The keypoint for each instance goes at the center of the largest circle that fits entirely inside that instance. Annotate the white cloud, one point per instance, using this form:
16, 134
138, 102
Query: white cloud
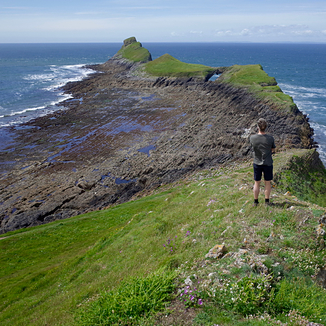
174, 34
196, 32
270, 30
90, 23
245, 32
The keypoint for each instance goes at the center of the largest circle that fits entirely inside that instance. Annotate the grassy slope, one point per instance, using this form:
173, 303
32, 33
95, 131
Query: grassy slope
166, 65
254, 78
135, 52
304, 176
47, 271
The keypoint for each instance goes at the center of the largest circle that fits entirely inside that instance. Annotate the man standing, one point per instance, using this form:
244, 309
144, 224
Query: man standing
263, 146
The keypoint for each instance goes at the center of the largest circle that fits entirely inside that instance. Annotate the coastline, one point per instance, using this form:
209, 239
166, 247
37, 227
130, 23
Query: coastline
120, 135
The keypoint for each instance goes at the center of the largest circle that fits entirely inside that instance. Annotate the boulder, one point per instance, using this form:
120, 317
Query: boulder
218, 251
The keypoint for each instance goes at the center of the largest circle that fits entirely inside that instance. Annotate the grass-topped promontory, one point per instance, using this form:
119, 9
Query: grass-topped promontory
259, 83
168, 66
134, 51
121, 266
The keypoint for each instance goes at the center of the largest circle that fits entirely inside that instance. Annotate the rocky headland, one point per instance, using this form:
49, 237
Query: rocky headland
128, 130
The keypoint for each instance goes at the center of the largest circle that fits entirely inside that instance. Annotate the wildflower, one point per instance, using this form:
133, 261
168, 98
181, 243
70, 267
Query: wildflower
200, 302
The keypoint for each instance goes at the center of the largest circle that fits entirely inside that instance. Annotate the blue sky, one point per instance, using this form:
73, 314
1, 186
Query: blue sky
162, 21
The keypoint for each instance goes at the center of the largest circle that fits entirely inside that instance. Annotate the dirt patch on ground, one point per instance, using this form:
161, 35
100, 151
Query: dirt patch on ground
177, 314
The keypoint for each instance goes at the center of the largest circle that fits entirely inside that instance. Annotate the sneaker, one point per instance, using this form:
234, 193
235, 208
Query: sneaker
268, 203
255, 204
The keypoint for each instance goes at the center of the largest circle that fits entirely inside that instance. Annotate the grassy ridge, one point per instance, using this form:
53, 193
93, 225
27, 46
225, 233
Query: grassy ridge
168, 66
51, 271
257, 81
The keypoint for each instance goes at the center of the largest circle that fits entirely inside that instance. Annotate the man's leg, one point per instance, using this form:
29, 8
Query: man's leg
256, 189
268, 176
257, 178
268, 188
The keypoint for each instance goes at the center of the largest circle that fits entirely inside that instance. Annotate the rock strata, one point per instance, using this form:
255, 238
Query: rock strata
122, 133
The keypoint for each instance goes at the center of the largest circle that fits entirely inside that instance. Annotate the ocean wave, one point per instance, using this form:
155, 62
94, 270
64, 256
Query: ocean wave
25, 115
47, 86
303, 92
58, 76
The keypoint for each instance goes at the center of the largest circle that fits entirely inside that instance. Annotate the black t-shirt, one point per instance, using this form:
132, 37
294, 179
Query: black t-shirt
262, 145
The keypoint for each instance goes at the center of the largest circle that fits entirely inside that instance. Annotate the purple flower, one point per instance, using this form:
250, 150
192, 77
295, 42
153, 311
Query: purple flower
200, 302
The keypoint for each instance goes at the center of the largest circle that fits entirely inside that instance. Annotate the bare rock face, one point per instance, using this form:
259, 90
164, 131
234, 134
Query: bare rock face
122, 134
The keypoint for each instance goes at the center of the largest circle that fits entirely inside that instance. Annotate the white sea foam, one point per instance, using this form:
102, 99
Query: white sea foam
301, 92
58, 76
51, 80
310, 100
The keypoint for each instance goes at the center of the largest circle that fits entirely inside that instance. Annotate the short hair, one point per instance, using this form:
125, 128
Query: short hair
262, 124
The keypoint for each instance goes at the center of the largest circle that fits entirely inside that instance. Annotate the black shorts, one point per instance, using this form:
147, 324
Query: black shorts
259, 169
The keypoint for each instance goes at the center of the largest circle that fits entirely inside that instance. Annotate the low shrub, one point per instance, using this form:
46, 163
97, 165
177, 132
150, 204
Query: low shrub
302, 296
246, 296
130, 302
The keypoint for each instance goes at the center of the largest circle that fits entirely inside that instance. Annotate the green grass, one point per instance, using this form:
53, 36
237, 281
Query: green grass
258, 82
135, 52
168, 66
52, 272
133, 300
304, 177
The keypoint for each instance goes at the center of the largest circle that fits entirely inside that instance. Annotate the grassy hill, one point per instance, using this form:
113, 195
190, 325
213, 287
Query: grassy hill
147, 251
168, 66
133, 51
164, 66
259, 83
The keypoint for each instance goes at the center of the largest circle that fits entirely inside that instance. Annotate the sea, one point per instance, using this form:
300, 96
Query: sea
31, 75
